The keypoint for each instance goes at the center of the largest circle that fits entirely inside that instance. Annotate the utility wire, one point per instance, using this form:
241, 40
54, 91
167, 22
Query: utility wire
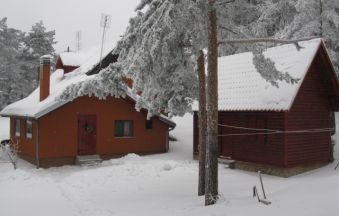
272, 131
245, 128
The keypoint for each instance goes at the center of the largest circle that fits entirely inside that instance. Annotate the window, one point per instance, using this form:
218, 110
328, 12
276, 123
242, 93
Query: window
29, 129
123, 128
149, 124
17, 127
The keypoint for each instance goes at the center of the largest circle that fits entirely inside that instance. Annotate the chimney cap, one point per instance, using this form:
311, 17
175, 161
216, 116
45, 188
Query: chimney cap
45, 59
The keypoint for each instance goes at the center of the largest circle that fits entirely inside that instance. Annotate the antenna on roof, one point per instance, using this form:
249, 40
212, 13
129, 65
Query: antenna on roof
105, 23
78, 41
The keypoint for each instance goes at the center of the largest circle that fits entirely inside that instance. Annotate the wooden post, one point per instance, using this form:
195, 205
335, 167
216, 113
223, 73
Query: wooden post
202, 123
211, 190
262, 185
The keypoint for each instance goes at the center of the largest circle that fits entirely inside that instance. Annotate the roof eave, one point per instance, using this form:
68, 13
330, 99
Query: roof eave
50, 109
167, 121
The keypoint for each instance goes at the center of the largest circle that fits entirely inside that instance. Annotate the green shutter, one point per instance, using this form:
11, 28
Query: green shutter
118, 129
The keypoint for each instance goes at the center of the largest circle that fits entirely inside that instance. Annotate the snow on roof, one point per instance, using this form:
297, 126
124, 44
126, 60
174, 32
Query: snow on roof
32, 107
79, 58
241, 87
74, 59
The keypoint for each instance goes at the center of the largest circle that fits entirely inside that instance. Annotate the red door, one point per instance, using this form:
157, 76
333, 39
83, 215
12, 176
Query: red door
226, 141
86, 135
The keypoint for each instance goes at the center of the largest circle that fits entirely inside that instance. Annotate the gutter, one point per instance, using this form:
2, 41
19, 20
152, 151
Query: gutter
37, 145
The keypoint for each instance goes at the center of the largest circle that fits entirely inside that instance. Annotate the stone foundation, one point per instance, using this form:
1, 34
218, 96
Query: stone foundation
274, 170
277, 171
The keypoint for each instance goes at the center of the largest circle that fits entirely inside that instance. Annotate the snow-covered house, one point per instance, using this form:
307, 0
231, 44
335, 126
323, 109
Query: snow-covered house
53, 132
282, 130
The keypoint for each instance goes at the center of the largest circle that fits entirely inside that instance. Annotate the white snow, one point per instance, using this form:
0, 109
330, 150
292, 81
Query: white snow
4, 128
80, 57
242, 88
73, 58
163, 184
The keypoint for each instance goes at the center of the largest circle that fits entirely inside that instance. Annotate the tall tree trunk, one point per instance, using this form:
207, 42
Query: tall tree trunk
211, 189
202, 122
321, 18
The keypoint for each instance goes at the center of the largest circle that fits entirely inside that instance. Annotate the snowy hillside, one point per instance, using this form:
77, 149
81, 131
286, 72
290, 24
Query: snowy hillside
162, 184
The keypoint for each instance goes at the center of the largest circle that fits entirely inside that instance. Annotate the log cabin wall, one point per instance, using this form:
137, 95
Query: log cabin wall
266, 149
309, 111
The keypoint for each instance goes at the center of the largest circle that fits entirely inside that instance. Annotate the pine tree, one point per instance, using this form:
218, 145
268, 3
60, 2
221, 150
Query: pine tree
37, 42
10, 71
19, 59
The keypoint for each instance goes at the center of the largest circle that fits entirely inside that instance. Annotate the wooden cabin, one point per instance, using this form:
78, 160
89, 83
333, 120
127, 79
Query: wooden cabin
51, 132
281, 130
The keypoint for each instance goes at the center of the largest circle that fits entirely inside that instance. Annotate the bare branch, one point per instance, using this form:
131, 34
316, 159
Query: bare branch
224, 2
232, 31
266, 40
185, 44
228, 29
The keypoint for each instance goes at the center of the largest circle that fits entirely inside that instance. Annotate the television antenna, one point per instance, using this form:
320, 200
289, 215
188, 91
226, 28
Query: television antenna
78, 41
104, 23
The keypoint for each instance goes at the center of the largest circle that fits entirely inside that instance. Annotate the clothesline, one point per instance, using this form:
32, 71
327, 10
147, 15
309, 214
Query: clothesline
271, 131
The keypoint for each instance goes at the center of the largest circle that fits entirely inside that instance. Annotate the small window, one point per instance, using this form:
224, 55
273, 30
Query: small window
149, 124
17, 127
123, 128
29, 129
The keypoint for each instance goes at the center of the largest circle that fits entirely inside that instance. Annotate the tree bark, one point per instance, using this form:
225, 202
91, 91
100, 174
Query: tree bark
321, 18
202, 122
211, 190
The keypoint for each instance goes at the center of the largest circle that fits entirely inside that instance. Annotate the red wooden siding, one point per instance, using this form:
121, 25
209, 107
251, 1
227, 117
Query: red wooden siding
58, 130
27, 146
268, 149
309, 111
66, 68
317, 96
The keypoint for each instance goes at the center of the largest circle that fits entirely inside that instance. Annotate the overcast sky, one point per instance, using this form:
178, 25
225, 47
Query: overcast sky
67, 17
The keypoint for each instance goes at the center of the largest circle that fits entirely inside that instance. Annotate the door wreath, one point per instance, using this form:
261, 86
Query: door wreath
88, 128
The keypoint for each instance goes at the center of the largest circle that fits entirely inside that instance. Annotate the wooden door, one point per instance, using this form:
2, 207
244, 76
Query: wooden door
226, 141
86, 135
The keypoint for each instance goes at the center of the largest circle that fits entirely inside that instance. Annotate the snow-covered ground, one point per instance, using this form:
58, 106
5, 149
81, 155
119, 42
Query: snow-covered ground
163, 184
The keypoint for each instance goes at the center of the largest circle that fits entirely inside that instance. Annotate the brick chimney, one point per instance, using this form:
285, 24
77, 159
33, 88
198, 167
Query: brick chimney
45, 68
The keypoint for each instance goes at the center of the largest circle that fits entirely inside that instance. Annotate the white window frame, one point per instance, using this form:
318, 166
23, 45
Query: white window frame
17, 127
29, 134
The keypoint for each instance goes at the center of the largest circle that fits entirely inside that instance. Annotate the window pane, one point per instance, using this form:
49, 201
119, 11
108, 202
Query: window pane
118, 129
128, 129
149, 124
29, 129
17, 127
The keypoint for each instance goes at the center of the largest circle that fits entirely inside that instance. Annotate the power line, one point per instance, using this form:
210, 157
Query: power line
245, 128
272, 131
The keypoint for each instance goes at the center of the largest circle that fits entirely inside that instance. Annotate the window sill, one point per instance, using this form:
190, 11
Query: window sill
124, 137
